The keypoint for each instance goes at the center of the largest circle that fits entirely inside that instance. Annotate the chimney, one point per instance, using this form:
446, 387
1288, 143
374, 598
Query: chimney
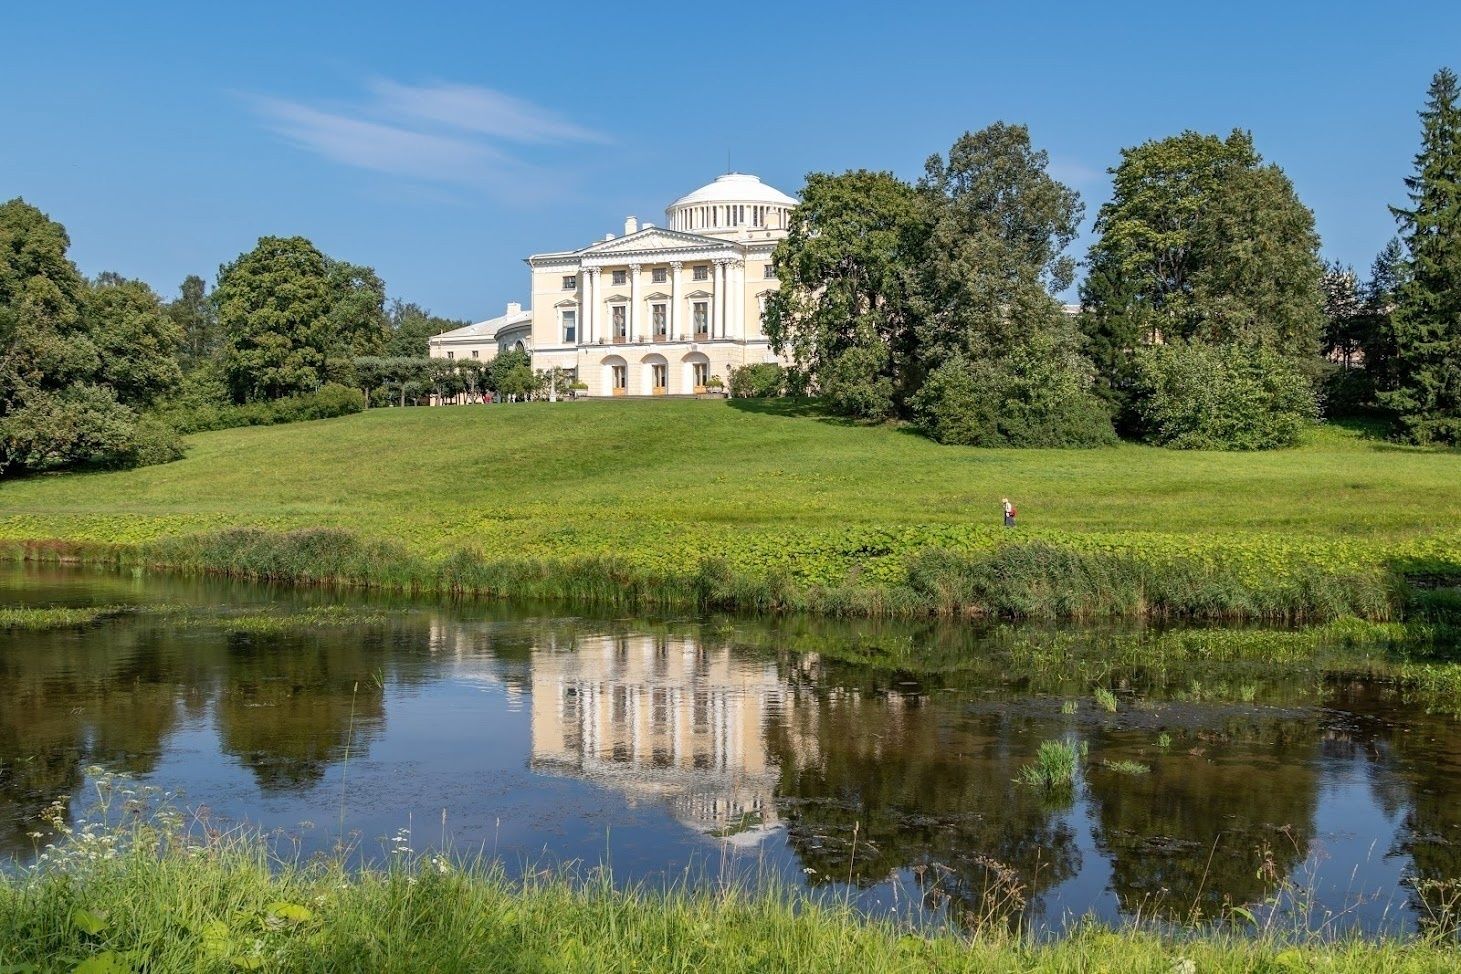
631, 225
514, 308
608, 236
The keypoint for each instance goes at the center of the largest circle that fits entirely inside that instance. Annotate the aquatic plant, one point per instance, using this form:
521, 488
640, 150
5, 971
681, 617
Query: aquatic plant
1105, 699
1055, 765
1126, 767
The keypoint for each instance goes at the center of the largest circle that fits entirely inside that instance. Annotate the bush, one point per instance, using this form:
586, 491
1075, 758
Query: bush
764, 380
1040, 395
857, 384
79, 425
1237, 396
154, 442
204, 406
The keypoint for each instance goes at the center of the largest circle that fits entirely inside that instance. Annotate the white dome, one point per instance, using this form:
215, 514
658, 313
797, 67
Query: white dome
735, 187
736, 204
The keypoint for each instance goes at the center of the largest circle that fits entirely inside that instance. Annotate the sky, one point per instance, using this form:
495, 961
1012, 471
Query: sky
441, 143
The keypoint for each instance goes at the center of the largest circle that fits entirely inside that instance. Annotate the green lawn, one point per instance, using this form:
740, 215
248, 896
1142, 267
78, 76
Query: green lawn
666, 483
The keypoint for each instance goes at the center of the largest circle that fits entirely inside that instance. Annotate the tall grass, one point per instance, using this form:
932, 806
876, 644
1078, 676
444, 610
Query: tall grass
225, 904
1013, 580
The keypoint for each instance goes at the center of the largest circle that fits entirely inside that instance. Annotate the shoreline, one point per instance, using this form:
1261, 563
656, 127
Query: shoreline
1014, 580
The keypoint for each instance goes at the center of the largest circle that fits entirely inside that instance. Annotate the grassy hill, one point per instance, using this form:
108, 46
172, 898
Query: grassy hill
765, 487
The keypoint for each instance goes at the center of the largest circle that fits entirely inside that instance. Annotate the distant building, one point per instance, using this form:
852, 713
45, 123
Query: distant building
656, 310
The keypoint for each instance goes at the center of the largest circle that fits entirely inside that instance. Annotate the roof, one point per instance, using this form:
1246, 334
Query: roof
516, 315
735, 187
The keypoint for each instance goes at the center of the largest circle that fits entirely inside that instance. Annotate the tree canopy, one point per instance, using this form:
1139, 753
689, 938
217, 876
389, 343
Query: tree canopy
1425, 328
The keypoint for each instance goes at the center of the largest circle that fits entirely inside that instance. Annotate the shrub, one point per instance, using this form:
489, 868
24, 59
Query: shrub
1040, 395
763, 380
153, 442
79, 425
200, 410
1236, 396
857, 384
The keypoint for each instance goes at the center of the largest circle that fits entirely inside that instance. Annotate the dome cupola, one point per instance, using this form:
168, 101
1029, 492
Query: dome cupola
735, 204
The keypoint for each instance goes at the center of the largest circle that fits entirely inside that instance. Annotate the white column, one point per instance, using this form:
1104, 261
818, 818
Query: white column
590, 310
738, 299
722, 291
633, 300
676, 333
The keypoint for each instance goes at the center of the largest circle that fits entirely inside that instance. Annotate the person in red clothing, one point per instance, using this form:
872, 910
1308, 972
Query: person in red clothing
1009, 513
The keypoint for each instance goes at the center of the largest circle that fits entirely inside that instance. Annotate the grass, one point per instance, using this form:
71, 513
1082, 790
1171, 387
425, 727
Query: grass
1055, 765
40, 619
770, 505
226, 904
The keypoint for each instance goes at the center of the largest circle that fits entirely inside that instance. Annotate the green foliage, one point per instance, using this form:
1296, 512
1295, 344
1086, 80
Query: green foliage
843, 308
193, 313
174, 902
760, 380
137, 342
206, 406
995, 249
1105, 699
1202, 242
1426, 322
412, 327
1055, 766
1038, 395
1199, 396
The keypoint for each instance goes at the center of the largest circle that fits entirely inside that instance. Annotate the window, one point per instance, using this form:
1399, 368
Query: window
769, 272
570, 326
621, 277
621, 376
659, 275
702, 317
661, 375
701, 371
702, 272
570, 283
661, 324
621, 323
474, 353
450, 356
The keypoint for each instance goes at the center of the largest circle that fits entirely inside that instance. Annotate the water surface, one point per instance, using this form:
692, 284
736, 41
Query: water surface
687, 749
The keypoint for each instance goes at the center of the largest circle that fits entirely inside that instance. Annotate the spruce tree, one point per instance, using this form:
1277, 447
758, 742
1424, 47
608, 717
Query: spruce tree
1426, 323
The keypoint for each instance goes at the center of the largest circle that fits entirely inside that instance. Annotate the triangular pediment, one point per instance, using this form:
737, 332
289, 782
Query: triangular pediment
655, 238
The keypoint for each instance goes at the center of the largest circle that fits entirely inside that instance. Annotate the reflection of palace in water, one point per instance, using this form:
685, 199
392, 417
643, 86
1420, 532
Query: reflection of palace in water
666, 718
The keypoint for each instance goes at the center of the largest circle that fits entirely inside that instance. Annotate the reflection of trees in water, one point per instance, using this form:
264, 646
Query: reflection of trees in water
287, 703
920, 787
1419, 780
1195, 834
68, 701
110, 695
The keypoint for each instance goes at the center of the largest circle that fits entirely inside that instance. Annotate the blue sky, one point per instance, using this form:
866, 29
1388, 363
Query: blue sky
443, 142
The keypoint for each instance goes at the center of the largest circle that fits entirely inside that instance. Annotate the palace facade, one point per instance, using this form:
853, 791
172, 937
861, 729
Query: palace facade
654, 311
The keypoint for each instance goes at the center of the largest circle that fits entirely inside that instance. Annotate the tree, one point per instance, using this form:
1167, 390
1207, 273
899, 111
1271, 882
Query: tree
502, 366
995, 254
1377, 331
136, 340
1344, 315
411, 328
1426, 323
843, 308
271, 304
356, 324
1203, 241
193, 313
58, 407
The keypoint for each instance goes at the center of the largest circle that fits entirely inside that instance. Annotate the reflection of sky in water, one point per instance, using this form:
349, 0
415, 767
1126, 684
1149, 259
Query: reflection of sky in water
674, 751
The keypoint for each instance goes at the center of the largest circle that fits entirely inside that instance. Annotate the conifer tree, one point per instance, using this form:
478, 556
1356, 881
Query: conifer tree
1426, 323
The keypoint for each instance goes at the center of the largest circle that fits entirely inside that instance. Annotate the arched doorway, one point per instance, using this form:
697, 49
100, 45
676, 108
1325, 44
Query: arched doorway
655, 372
615, 376
696, 369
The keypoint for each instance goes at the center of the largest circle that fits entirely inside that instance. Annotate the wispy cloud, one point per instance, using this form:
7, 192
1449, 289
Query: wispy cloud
480, 110
452, 134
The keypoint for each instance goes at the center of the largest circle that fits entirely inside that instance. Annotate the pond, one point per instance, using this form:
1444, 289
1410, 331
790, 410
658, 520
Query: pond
686, 749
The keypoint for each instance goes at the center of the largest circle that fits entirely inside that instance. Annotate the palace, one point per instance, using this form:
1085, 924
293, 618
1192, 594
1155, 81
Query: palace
654, 311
